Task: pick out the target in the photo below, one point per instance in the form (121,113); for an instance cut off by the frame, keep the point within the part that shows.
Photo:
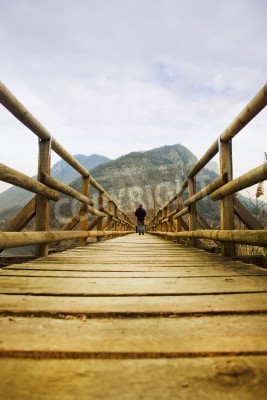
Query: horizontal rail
(183,212)
(216,184)
(16,178)
(63,188)
(210,153)
(251,237)
(250,178)
(172,213)
(257,104)
(110,214)
(63,153)
(15,239)
(12,104)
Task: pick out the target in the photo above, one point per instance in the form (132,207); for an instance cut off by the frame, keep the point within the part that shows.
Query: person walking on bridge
(140,214)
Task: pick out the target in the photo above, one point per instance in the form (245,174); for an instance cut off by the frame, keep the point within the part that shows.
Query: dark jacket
(140,213)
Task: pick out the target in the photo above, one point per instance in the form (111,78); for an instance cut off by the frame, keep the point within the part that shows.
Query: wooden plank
(226,334)
(170,305)
(119,266)
(243,378)
(107,266)
(137,286)
(115,272)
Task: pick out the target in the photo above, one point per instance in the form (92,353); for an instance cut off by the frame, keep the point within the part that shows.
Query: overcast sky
(114,76)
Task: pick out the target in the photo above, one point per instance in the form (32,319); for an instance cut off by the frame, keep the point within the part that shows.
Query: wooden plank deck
(133,318)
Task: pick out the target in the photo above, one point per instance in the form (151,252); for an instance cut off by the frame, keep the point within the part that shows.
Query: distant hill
(66,174)
(150,177)
(17,197)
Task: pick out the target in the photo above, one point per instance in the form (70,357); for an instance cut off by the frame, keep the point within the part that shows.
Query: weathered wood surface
(133,318)
(212,378)
(134,305)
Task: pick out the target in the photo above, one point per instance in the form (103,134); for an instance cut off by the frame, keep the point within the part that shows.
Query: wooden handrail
(248,179)
(12,104)
(244,117)
(48,188)
(247,114)
(63,188)
(217,183)
(15,239)
(222,188)
(16,178)
(251,237)
(183,212)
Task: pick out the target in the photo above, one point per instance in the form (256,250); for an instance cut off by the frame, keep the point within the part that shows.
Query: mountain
(17,197)
(149,177)
(66,174)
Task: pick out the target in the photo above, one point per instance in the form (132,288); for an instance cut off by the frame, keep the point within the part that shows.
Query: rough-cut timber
(134,317)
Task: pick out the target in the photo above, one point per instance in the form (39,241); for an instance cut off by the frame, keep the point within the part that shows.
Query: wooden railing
(109,219)
(169,221)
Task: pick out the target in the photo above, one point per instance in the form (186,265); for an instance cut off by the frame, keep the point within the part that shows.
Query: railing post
(42,204)
(179,220)
(100,222)
(193,209)
(164,215)
(84,223)
(116,216)
(109,227)
(161,224)
(227,203)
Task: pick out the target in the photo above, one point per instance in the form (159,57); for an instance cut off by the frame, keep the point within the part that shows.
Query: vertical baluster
(179,220)
(109,227)
(84,214)
(164,214)
(116,216)
(100,222)
(227,204)
(42,204)
(193,209)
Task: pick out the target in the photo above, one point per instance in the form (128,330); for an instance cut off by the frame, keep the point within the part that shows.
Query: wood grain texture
(131,305)
(135,318)
(208,378)
(103,337)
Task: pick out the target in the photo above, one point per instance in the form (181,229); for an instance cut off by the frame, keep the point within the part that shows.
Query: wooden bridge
(134,317)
